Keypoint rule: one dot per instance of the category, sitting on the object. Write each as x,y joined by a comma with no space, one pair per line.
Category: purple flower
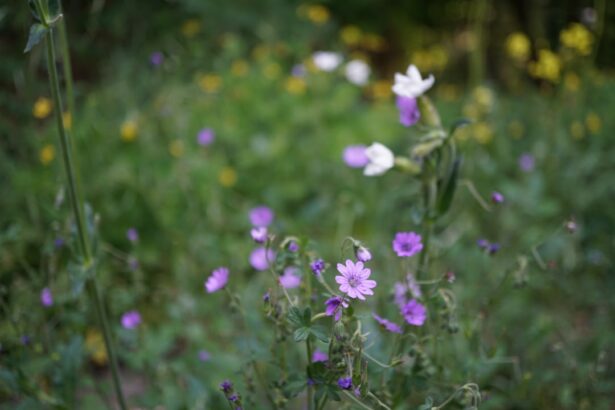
58,242
205,137
260,258
407,244
156,58
319,356
409,113
259,234
293,246
526,162
204,355
415,313
132,234
318,266
226,386
354,279
261,216
217,280
345,383
290,279
333,307
266,297
493,248
233,397
131,319
482,243
298,70
355,157
496,197
363,254
46,297
25,340
388,325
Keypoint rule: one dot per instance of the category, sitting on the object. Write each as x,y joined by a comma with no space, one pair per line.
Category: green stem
310,389
77,208
359,402
66,63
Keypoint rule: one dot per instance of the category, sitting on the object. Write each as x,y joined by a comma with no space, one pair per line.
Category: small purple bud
58,242
25,340
318,266
132,234
482,243
226,386
259,234
293,246
497,198
46,297
493,248
526,162
204,355
345,383
363,254
156,58
205,137
266,297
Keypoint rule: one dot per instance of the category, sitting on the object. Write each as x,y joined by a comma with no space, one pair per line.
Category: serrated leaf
294,316
37,32
444,202
301,334
307,317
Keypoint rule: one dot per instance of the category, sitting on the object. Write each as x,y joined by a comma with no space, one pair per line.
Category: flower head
493,248
156,58
293,246
226,386
482,243
414,312
526,162
204,355
345,383
355,157
205,137
131,319
357,72
319,356
497,198
363,254
409,113
381,159
259,234
46,297
217,280
354,279
260,258
261,216
407,244
290,279
318,266
326,60
412,85
334,306
132,234
388,325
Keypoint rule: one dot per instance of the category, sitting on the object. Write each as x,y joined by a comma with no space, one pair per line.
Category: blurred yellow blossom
47,154
471,110
430,59
484,97
272,70
295,85
572,82
547,67
317,13
261,51
373,42
516,129
239,68
448,92
210,83
176,148
351,35
518,46
95,345
128,130
67,120
381,89
578,38
42,108
483,133
593,123
576,130
227,177
191,27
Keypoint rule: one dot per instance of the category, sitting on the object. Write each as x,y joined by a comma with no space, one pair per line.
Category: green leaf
37,32
460,123
294,316
54,8
307,317
301,334
320,333
444,202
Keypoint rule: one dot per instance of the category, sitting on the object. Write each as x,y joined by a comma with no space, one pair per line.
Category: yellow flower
471,110
483,97
227,177
128,130
351,35
272,70
482,132
42,108
47,154
518,46
593,123
191,27
547,67
176,148
381,89
210,83
95,345
578,38
373,42
516,129
239,68
317,13
67,120
295,85
576,130
572,82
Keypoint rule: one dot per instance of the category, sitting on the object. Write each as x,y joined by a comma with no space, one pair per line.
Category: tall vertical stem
77,207
310,389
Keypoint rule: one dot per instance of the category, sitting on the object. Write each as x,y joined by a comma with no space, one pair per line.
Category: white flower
326,60
412,85
357,72
381,159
